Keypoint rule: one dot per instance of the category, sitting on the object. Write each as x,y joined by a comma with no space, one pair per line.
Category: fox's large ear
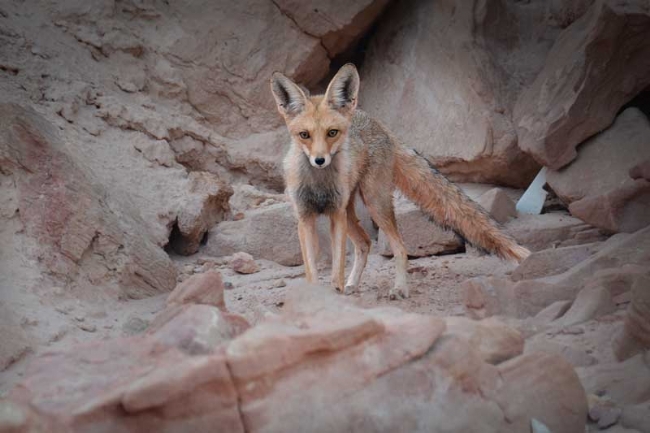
288,95
343,90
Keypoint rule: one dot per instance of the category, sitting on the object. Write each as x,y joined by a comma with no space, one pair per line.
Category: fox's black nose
320,161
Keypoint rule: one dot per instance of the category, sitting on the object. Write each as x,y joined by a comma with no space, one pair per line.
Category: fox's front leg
308,246
338,233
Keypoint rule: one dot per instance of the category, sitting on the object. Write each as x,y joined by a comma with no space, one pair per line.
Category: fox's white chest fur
319,190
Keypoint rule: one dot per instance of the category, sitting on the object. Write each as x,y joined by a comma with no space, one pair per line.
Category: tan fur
324,173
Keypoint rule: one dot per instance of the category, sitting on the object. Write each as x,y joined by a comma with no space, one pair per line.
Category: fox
339,152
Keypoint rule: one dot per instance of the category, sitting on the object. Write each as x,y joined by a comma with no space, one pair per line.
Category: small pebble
87,327
243,263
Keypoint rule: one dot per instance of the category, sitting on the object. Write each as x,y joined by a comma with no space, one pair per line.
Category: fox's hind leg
361,242
379,202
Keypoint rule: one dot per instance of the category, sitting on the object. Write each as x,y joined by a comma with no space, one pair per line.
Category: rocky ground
150,270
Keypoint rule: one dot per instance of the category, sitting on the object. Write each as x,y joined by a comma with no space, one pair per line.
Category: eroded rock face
597,64
62,207
267,233
623,209
207,205
206,289
635,335
602,275
597,186
458,111
497,203
539,232
625,382
374,370
336,23
604,161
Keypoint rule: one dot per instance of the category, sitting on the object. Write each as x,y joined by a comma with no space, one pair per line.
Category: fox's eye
304,135
332,132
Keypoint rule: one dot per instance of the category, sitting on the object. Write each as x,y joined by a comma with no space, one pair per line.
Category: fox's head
318,124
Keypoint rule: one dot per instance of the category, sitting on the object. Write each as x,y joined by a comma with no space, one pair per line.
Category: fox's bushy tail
449,207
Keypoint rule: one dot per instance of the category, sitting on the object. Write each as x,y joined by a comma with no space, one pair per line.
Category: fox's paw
398,292
347,290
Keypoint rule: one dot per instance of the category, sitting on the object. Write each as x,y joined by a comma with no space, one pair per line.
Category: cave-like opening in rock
640,101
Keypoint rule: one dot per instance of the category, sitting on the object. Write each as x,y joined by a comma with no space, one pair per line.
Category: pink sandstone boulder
350,369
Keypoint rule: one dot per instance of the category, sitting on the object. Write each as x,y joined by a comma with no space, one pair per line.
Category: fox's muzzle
320,161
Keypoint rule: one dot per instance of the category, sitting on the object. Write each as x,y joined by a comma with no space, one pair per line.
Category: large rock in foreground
597,64
350,369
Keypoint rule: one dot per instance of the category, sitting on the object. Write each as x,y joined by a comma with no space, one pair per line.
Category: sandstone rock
244,263
604,161
337,23
196,328
421,236
539,232
641,170
132,383
269,233
207,207
623,209
64,209
625,382
498,205
577,357
206,288
596,184
486,296
619,280
552,312
635,335
618,429
479,298
553,261
590,303
237,74
602,36
637,416
262,413
525,375
605,416
156,151
495,341
20,418
248,197
457,113
372,369
562,14
14,341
